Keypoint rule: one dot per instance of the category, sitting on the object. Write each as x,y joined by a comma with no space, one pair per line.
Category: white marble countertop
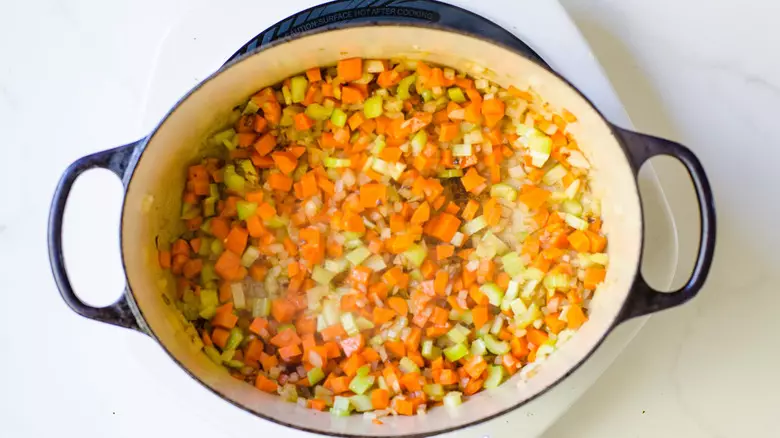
702,72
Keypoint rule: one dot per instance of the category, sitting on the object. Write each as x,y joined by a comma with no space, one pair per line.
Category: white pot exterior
152,207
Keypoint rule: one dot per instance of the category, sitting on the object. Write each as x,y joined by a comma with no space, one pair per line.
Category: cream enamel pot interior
153,172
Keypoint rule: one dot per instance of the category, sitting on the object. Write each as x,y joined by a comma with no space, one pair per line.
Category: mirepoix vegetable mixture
387,236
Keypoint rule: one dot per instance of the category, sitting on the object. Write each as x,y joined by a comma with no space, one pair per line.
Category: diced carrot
263,383
372,195
594,276
579,241
399,305
265,144
228,265
380,398
480,316
350,95
314,74
220,336
350,69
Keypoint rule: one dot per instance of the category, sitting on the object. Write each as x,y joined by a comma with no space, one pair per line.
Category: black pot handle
115,160
643,298
338,13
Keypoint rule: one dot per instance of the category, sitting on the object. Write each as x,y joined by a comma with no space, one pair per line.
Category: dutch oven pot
153,173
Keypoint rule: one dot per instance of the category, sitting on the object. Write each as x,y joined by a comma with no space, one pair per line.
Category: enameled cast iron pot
153,173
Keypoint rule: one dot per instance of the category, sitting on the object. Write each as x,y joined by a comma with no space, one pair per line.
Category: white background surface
700,72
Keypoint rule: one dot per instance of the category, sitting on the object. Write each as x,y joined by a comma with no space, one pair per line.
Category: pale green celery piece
235,364
416,275
209,207
364,370
513,264
376,263
452,399
493,292
434,390
322,276
523,320
208,298
518,306
540,146
478,347
227,354
288,114
361,384
415,255
213,354
235,338
315,375
462,150
227,134
286,95
261,308
523,129
533,274
456,95
403,87
427,95
250,256
572,207
245,209
249,171
372,107
289,393
396,170
512,291
495,376
234,182
427,348
456,335
495,328
362,403
349,325
466,317
336,266
495,346
474,226
207,274
555,174
456,352
556,281
213,191
298,86
208,312
496,242
419,141
217,247
363,323
450,173
338,118
408,366
250,108
358,255
379,145
189,211
331,309
319,112
337,162
353,243
600,259
503,191
277,222
229,145
575,222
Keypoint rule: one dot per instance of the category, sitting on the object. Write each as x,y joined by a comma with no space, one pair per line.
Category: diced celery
363,323
403,87
315,375
227,134
456,95
364,370
349,325
408,366
358,255
456,335
207,273
338,117
554,175
556,281
250,108
434,390
227,354
495,242
512,291
415,255
341,406
213,354
474,226
234,181
261,308
336,266
209,207
572,207
235,364
217,247
533,274
600,259
462,150
298,85
249,171
522,129
493,293
322,276
318,112
362,403
478,347
503,191
513,264
495,346
208,312
573,188
378,145
540,146
208,298
529,289
250,256
427,95
234,339
525,319
576,222
495,328
189,211
450,173
518,306
372,107
376,263
452,399
334,163
418,142
286,95
245,209
466,317
395,170
495,376
456,352
239,299
430,351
